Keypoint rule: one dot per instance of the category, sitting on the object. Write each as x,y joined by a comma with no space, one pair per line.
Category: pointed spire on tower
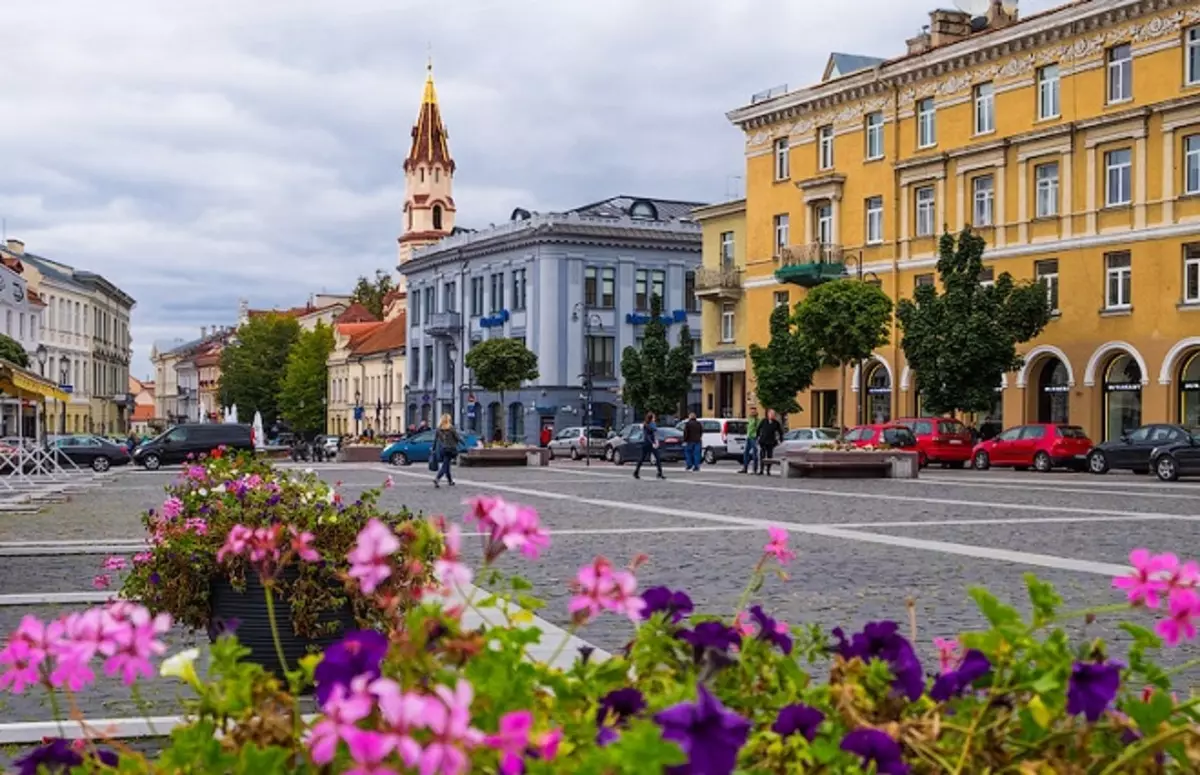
429,135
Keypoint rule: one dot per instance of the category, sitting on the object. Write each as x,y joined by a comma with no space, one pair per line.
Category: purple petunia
875,746
974,666
677,605
709,733
1093,687
59,756
771,631
882,640
616,708
710,635
359,653
798,719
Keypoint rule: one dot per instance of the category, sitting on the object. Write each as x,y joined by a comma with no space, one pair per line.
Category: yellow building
1070,140
724,359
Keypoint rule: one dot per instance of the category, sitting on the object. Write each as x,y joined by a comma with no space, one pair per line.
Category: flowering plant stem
1082,612
143,706
562,644
1134,751
54,708
268,593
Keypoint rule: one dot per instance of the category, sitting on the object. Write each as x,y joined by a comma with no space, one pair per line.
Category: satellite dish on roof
973,8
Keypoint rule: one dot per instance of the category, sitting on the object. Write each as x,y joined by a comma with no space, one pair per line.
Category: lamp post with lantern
42,355
387,391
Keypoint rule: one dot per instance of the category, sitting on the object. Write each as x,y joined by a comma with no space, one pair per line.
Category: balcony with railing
444,324
810,265
723,284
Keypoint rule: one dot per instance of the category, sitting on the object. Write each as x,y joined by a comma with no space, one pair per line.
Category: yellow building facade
1069,140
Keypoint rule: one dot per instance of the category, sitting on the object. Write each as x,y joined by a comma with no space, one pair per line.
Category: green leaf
1152,713
997,613
1141,636
1044,598
254,760
1047,683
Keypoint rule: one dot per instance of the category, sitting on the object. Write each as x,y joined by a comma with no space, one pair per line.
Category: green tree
253,365
500,365
657,377
960,342
370,293
12,351
785,366
304,381
843,322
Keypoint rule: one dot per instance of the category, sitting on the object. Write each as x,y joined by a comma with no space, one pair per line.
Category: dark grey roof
621,206
50,269
844,64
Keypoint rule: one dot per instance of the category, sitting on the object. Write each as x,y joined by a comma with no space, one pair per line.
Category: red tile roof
143,412
389,335
356,313
429,144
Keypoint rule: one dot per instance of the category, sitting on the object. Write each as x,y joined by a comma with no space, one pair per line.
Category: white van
724,438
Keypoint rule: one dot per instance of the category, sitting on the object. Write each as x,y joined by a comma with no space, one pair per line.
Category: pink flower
130,644
512,740
114,563
369,558
302,545
141,558
546,746
236,542
195,472
600,588
448,718
264,545
196,525
172,507
1182,606
449,569
510,526
368,750
403,712
1144,584
341,713
778,545
22,656
389,483
1182,575
103,581
741,624
948,653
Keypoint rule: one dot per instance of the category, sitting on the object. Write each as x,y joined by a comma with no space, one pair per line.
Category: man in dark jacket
693,436
770,433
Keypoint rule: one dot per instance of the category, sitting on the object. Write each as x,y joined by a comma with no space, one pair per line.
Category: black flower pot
245,612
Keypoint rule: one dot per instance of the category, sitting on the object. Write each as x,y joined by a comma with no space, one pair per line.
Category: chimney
920,44
949,26
997,17
16,247
203,332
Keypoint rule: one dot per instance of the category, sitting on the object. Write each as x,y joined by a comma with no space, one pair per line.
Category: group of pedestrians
762,437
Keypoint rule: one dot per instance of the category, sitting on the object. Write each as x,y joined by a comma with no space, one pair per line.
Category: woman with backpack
649,447
445,449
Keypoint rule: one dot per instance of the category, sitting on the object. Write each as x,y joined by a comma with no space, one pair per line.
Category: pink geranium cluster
171,509
449,569
778,545
265,547
1156,576
507,526
600,588
122,634
370,559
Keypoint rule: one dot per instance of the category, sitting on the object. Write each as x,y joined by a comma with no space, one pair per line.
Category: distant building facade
366,373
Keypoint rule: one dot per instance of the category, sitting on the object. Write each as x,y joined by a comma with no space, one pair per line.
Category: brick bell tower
428,179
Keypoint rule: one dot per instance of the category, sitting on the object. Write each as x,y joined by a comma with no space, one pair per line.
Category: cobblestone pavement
864,547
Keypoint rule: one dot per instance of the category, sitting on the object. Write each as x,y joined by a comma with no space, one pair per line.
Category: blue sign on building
496,320
705,365
640,319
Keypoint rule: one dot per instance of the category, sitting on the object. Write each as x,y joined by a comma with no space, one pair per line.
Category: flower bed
494,456
692,693
880,463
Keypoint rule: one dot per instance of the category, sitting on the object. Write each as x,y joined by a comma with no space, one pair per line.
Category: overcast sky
198,151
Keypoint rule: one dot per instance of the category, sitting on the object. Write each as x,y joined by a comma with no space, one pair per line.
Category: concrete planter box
835,464
360,453
500,456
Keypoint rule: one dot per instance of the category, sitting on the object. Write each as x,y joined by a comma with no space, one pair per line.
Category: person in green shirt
751,451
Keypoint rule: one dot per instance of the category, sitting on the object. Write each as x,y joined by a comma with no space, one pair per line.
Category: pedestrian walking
770,432
446,443
750,454
693,435
547,434
649,447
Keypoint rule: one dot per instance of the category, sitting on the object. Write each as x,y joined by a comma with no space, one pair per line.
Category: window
985,108
1120,73
1192,56
518,288
658,286
447,364
782,299
1046,273
875,220
601,355
591,286
428,304
427,360
416,307
983,193
608,283
782,159
1048,90
641,290
726,322
781,233
987,277
497,292
824,217
925,211
825,147
1046,177
923,280
1118,179
450,297
926,123
1191,274
437,217
1191,164
726,249
690,302
874,135
476,296
1119,272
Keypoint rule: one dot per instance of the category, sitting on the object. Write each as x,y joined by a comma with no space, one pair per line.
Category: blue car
417,447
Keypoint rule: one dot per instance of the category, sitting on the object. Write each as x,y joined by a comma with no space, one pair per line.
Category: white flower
309,470
202,491
182,666
219,488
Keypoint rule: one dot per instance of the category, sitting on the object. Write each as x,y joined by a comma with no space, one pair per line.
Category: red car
940,440
1043,446
891,434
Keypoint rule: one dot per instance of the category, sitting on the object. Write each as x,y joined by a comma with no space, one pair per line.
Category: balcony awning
16,381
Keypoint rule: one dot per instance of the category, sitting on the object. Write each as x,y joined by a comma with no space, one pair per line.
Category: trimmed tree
961,341
500,365
657,377
842,323
305,380
12,351
254,363
784,367
370,293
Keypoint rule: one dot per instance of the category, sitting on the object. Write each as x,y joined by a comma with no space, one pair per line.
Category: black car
1132,451
90,451
628,449
193,439
1177,456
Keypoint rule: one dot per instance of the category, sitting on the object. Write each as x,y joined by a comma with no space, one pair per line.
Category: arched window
422,171
1122,396
1189,390
516,422
643,210
878,398
495,418
1054,393
437,217
408,212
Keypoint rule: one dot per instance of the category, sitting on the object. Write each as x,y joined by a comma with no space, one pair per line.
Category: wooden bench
838,470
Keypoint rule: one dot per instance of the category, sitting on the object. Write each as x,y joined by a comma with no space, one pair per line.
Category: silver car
578,441
805,438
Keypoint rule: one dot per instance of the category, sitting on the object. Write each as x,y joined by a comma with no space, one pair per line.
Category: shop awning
16,381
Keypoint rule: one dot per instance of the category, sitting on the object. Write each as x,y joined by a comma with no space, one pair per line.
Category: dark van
195,439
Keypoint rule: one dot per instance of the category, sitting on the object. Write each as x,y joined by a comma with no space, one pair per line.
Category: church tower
428,178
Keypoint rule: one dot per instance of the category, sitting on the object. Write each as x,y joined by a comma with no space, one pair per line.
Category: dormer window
643,210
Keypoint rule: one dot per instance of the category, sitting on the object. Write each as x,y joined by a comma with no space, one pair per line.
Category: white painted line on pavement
55,598
945,547
1093,481
938,481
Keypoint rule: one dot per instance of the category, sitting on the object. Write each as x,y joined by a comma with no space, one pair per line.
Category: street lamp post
42,355
856,263
589,320
387,391
452,354
64,374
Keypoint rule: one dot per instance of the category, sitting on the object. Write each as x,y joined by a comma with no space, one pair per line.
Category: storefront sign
1122,387
638,319
705,365
66,388
879,391
1056,389
1190,386
496,320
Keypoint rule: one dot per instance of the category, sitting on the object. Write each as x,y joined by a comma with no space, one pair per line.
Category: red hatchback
1043,447
891,434
941,440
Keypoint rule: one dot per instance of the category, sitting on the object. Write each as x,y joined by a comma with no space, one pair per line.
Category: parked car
93,452
940,440
723,438
1178,456
330,444
880,435
629,450
804,438
617,439
1041,446
1131,452
417,447
176,444
578,441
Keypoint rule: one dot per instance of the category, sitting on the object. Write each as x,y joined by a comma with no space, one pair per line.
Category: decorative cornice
719,210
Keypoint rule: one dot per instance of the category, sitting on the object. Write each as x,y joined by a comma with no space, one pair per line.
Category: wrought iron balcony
444,324
719,284
810,265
